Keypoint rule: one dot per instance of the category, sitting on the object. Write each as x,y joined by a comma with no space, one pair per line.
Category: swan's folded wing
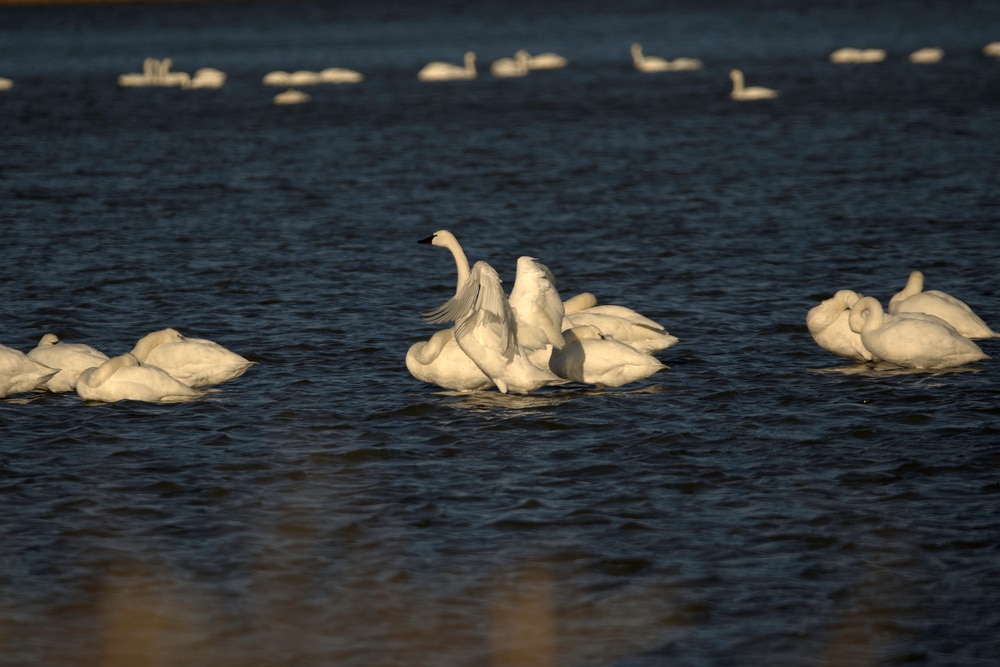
537,302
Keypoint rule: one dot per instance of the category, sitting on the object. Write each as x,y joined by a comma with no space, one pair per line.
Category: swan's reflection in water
883,369
493,401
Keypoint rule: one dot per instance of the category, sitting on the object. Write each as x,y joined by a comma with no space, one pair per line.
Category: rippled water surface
760,503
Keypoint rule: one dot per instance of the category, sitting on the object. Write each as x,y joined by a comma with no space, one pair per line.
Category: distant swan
196,362
292,96
911,340
155,73
829,324
590,357
441,71
277,78
340,75
850,55
124,378
5,83
207,77
70,358
645,63
927,55
992,50
954,311
20,373
511,67
546,60
743,93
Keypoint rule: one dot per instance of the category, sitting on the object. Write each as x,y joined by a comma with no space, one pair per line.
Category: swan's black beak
427,241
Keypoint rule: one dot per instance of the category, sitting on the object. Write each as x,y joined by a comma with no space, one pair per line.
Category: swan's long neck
737,78
914,284
470,62
461,262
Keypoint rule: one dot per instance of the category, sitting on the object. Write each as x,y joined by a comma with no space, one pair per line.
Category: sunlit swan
303,77
440,71
486,330
954,311
992,50
850,55
927,55
20,373
194,361
581,301
124,378
645,63
70,358
911,340
511,67
538,310
744,93
292,96
624,325
590,357
207,77
340,75
546,60
164,77
5,83
829,324
442,362
277,78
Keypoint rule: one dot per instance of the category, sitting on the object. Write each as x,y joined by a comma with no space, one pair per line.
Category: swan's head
49,339
736,75
862,311
847,298
441,237
582,332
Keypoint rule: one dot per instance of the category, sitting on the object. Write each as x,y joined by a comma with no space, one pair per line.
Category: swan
511,67
277,78
439,360
20,373
590,357
303,77
547,60
194,361
340,75
850,55
538,309
164,77
70,358
743,93
124,378
913,299
927,55
992,50
207,77
625,326
292,96
5,83
645,63
830,327
486,330
440,71
911,340
578,302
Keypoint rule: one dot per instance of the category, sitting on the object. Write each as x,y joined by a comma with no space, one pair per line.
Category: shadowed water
762,502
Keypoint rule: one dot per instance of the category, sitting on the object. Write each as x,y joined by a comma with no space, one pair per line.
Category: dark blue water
757,504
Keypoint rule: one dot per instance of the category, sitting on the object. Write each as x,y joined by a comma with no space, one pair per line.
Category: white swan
992,50
292,96
20,373
851,55
511,67
913,299
744,93
927,55
537,307
590,357
124,378
911,340
207,77
645,63
277,78
340,75
624,325
70,358
486,330
830,326
440,361
5,83
441,71
547,60
196,362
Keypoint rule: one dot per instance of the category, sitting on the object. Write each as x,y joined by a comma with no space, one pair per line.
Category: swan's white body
927,55
441,361
124,378
340,75
645,63
537,307
277,78
292,96
155,73
624,325
829,324
743,93
486,330
20,373
911,340
957,313
851,55
207,77
194,361
70,358
511,67
546,60
5,83
441,71
590,357
992,50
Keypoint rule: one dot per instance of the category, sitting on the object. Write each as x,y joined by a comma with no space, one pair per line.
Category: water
757,504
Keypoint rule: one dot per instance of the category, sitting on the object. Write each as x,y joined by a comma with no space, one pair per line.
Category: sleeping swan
194,361
124,378
70,358
830,327
20,373
590,357
441,71
957,313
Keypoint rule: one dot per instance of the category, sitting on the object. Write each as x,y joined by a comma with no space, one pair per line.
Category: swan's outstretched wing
480,309
536,303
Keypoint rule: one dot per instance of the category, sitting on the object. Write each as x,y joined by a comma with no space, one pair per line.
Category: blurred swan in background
590,357
645,63
913,299
70,358
829,324
5,83
992,50
511,67
292,96
340,75
547,60
927,55
196,362
441,71
207,77
911,340
744,93
850,55
124,378
20,373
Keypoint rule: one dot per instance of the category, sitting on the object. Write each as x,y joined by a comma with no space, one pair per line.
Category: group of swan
531,338
163,366
926,330
157,73
645,63
853,56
